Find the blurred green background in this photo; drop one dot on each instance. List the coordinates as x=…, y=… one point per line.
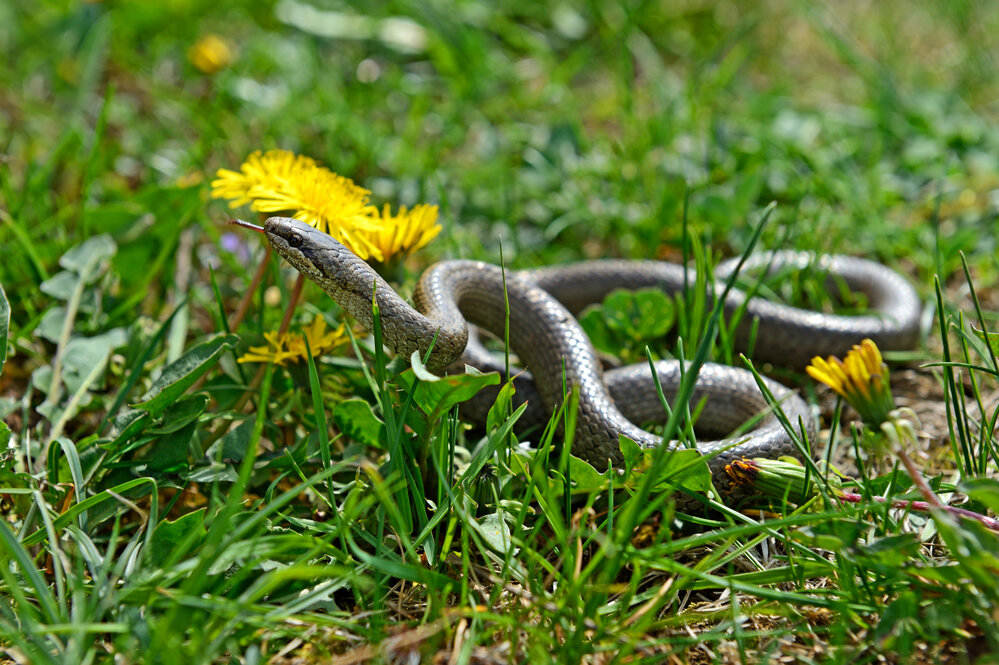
x=566, y=129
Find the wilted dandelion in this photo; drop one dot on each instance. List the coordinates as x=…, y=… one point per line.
x=783, y=478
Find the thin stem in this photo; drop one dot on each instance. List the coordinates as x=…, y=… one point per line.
x=924, y=507
x=55, y=384
x=296, y=295
x=918, y=480
x=244, y=302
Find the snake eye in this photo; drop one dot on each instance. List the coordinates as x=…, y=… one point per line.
x=295, y=240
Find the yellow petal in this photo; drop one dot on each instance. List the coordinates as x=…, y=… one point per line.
x=856, y=369
x=281, y=182
x=821, y=371
x=871, y=355
x=402, y=233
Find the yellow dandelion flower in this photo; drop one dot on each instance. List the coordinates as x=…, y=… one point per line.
x=275, y=169
x=211, y=54
x=291, y=347
x=830, y=373
x=398, y=235
x=861, y=379
x=275, y=351
x=280, y=181
x=320, y=339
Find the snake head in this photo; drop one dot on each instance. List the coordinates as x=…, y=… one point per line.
x=324, y=260
x=301, y=245
x=287, y=233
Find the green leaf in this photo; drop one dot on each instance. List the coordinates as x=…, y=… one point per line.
x=644, y=314
x=15, y=481
x=685, y=467
x=42, y=378
x=355, y=418
x=234, y=444
x=984, y=491
x=585, y=478
x=627, y=321
x=61, y=285
x=440, y=395
x=896, y=481
x=945, y=574
x=169, y=453
x=169, y=535
x=831, y=534
x=501, y=408
x=85, y=359
x=85, y=354
x=129, y=423
x=179, y=375
x=826, y=541
x=496, y=532
x=634, y=457
x=50, y=327
x=599, y=331
x=85, y=257
x=889, y=552
x=214, y=473
x=180, y=414
x=682, y=468
x=139, y=362
x=420, y=370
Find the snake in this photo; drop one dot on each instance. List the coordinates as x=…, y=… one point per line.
x=541, y=304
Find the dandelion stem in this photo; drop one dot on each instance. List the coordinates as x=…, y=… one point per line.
x=924, y=507
x=244, y=302
x=296, y=294
x=918, y=480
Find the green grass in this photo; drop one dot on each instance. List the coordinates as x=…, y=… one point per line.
x=163, y=503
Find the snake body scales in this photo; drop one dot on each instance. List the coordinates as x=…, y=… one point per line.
x=549, y=341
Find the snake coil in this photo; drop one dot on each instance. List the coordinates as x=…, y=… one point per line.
x=551, y=344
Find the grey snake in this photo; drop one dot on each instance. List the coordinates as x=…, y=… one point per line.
x=549, y=342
